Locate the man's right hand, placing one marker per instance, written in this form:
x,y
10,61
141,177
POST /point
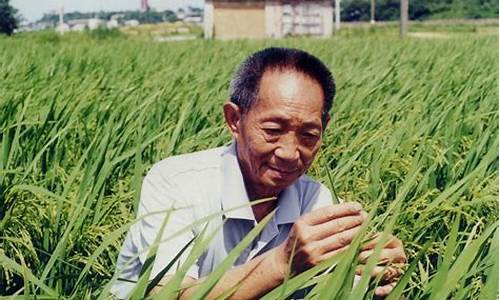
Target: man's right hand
x,y
320,234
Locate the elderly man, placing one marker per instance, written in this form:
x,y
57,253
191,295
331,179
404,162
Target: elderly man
x,y
279,108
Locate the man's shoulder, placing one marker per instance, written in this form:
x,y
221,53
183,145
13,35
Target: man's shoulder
x,y
187,163
307,182
314,193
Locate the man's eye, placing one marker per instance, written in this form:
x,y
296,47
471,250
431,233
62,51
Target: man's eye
x,y
272,131
310,135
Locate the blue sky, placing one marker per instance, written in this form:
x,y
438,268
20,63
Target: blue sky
x,y
33,10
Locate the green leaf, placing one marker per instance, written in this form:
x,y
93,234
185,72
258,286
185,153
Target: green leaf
x,y
210,281
461,265
9,264
141,287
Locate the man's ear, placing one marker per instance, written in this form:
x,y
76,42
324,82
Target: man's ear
x,y
232,115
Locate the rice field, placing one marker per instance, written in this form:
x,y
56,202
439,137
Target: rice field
x,y
414,137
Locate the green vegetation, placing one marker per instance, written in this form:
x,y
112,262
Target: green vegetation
x,y
8,21
414,137
388,10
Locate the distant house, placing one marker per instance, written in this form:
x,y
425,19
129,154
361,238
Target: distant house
x,y
181,14
82,24
228,19
95,23
193,19
62,28
112,24
78,22
117,17
131,23
192,15
41,25
78,27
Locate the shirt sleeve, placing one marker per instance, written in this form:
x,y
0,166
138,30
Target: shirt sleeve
x,y
158,196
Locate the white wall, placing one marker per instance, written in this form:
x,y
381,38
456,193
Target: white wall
x,y
273,19
327,19
208,19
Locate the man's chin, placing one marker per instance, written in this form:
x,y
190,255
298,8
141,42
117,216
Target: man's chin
x,y
280,183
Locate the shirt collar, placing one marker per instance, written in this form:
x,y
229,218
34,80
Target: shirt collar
x,y
234,193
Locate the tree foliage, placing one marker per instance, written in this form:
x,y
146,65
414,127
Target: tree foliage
x,y
387,10
8,20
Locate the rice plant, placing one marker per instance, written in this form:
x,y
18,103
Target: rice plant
x,y
414,137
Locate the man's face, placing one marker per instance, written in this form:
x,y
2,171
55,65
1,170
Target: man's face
x,y
279,136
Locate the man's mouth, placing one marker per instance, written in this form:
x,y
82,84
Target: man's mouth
x,y
283,170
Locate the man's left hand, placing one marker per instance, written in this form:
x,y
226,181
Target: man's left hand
x,y
392,258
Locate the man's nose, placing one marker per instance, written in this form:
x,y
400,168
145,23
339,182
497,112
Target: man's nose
x,y
288,149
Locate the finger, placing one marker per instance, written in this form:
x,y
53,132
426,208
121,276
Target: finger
x,y
385,289
373,240
332,253
331,212
331,227
391,242
388,273
338,240
387,255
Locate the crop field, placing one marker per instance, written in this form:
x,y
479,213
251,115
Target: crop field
x,y
414,137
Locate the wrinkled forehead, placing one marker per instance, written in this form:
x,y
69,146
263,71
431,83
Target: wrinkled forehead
x,y
288,95
282,86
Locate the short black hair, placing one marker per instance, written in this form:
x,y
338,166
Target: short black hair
x,y
246,80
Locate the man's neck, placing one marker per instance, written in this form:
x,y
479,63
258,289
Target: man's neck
x,y
262,209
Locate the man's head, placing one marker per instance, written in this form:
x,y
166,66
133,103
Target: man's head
x,y
279,106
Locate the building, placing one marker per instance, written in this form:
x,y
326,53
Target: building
x,y
78,22
62,28
229,19
95,23
131,23
112,24
78,28
181,14
192,15
82,24
194,19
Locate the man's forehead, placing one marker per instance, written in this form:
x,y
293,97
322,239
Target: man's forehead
x,y
288,80
289,84
288,100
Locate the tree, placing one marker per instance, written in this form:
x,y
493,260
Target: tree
x,y
389,10
8,20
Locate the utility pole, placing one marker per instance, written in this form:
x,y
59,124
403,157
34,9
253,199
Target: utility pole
x,y
61,15
337,15
403,23
372,12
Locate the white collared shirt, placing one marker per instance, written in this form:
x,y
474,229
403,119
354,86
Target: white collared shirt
x,y
202,184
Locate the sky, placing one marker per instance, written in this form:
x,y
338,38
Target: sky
x,y
33,10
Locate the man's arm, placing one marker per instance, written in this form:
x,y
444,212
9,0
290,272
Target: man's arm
x,y
256,277
317,236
